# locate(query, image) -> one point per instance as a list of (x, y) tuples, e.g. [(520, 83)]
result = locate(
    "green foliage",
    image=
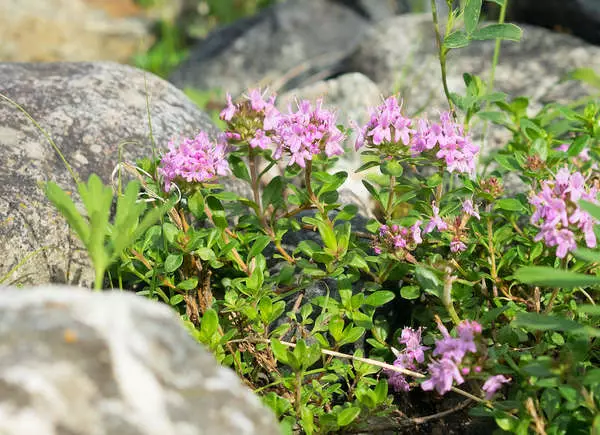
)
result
[(309, 322)]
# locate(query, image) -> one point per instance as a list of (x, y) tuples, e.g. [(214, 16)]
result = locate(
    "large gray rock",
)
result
[(282, 46), (77, 362), (579, 17), (88, 109), (400, 54)]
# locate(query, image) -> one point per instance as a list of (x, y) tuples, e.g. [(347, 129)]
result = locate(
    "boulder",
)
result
[(73, 30), (400, 54), (73, 361), (90, 110), (283, 47), (578, 17)]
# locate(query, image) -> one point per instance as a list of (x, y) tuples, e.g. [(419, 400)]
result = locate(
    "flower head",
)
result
[(557, 214), (252, 119), (411, 338), (398, 240), (307, 132), (443, 373), (436, 221), (194, 160), (493, 384)]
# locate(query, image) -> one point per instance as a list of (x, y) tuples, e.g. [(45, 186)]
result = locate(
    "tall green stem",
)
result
[(490, 85), (442, 52)]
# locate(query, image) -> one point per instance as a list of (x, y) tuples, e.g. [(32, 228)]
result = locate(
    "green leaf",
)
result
[(259, 245), (280, 351), (502, 31), (371, 190), (585, 75), (238, 167), (347, 416), (352, 335), (210, 322), (498, 2), (379, 298), (188, 284), (472, 11), (410, 292), (456, 39), (273, 192), (66, 207), (328, 236), (509, 204), (218, 212), (543, 322), (173, 262), (591, 208), (392, 167), (550, 277), (336, 328), (196, 204), (175, 300)]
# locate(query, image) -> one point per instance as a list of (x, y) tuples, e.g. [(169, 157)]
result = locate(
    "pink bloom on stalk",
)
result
[(306, 133), (456, 348), (396, 379), (397, 240), (436, 221), (194, 160), (457, 245), (386, 125), (469, 209), (443, 373), (414, 349), (228, 112), (260, 140), (557, 214), (493, 384)]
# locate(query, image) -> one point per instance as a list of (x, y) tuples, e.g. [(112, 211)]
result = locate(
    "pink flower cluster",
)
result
[(407, 359), (557, 214), (306, 133), (302, 134), (452, 361), (397, 240), (252, 120), (193, 160), (447, 141), (451, 351)]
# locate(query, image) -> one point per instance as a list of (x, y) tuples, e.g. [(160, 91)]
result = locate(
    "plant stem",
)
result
[(441, 50), (390, 202), (255, 181), (490, 86), (447, 298)]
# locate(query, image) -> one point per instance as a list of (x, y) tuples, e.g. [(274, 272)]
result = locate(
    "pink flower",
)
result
[(228, 112), (252, 120), (469, 209), (414, 349), (557, 214), (398, 240), (194, 160), (456, 348), (457, 245), (306, 133), (493, 384), (443, 373), (387, 125), (436, 221)]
